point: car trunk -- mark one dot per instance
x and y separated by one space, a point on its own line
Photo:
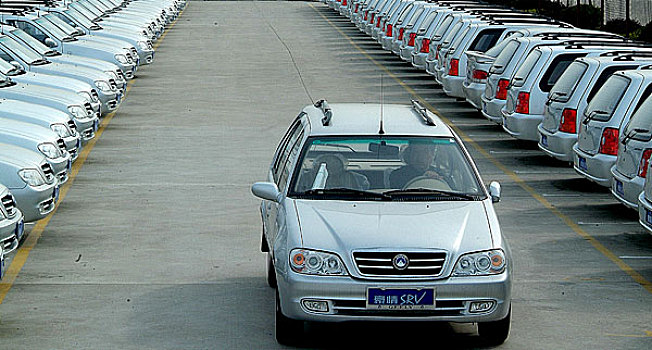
561 95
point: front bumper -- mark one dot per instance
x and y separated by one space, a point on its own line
596 168
558 145
396 46
431 66
61 167
626 190
87 127
109 101
522 126
453 85
645 212
346 298
473 94
36 202
11 230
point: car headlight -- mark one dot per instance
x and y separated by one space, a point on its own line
60 129
311 262
103 85
31 177
50 150
86 96
490 262
143 45
121 58
78 112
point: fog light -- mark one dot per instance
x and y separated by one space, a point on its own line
481 306
315 305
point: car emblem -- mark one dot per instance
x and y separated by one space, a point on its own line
400 262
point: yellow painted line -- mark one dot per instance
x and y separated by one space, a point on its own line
30 241
520 182
648 334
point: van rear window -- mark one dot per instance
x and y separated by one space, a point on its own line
556 69
567 83
640 125
486 39
607 98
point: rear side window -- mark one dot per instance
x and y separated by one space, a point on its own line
567 83
644 97
526 68
486 39
442 28
555 70
640 125
604 76
607 98
504 57
460 38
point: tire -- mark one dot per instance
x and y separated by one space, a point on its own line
271 271
496 332
288 331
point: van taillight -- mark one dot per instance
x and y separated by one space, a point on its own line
425 45
401 31
378 23
389 30
437 52
479 74
523 103
501 93
357 6
344 3
645 160
568 121
453 70
371 19
411 40
609 142
366 15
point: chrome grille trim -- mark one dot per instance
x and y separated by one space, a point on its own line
48 172
95 95
62 144
9 204
421 264
357 307
72 127
89 108
113 84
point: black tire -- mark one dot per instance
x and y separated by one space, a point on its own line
271 271
496 332
288 331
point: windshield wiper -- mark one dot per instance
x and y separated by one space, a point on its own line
633 133
592 115
6 83
40 61
52 53
428 191
346 192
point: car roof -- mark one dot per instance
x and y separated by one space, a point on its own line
365 118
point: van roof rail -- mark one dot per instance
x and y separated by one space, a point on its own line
629 56
423 112
326 110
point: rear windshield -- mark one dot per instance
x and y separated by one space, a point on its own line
526 68
607 98
404 13
504 57
415 17
640 125
556 69
567 83
428 21
451 35
604 76
486 39
460 38
442 28
496 50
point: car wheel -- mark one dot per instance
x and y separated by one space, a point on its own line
288 331
495 333
271 271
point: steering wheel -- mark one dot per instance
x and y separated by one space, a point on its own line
427 182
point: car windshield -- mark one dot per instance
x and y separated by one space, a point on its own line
79 17
567 83
22 52
32 42
52 29
65 27
384 168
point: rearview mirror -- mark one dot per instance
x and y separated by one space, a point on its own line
494 191
266 190
50 43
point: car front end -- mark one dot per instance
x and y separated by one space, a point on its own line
12 224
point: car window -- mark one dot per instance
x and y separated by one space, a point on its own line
556 69
604 76
496 50
504 57
567 83
640 125
415 17
31 42
31 29
291 154
404 13
63 18
607 98
526 68
460 38
428 20
643 97
380 164
281 152
451 34
443 27
486 39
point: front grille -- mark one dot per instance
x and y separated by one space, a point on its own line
61 144
380 263
10 205
48 172
73 153
73 127
134 53
359 308
120 75
114 86
89 108
95 95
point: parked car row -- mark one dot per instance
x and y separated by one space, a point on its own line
62 68
582 95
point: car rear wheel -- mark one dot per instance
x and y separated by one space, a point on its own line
495 333
271 271
288 331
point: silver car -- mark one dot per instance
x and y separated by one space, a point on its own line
41 140
634 153
370 219
30 179
604 120
645 202
12 224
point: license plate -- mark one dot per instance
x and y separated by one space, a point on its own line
582 163
544 140
69 166
401 298
20 228
55 195
619 187
648 216
79 145
96 124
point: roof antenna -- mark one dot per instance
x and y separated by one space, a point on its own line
381 131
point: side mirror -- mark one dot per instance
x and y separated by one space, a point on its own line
16 64
266 190
50 43
79 31
494 191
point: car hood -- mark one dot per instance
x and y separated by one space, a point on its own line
52 81
20 157
343 226
27 130
30 112
70 70
84 62
60 96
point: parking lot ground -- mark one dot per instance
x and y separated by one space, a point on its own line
156 244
